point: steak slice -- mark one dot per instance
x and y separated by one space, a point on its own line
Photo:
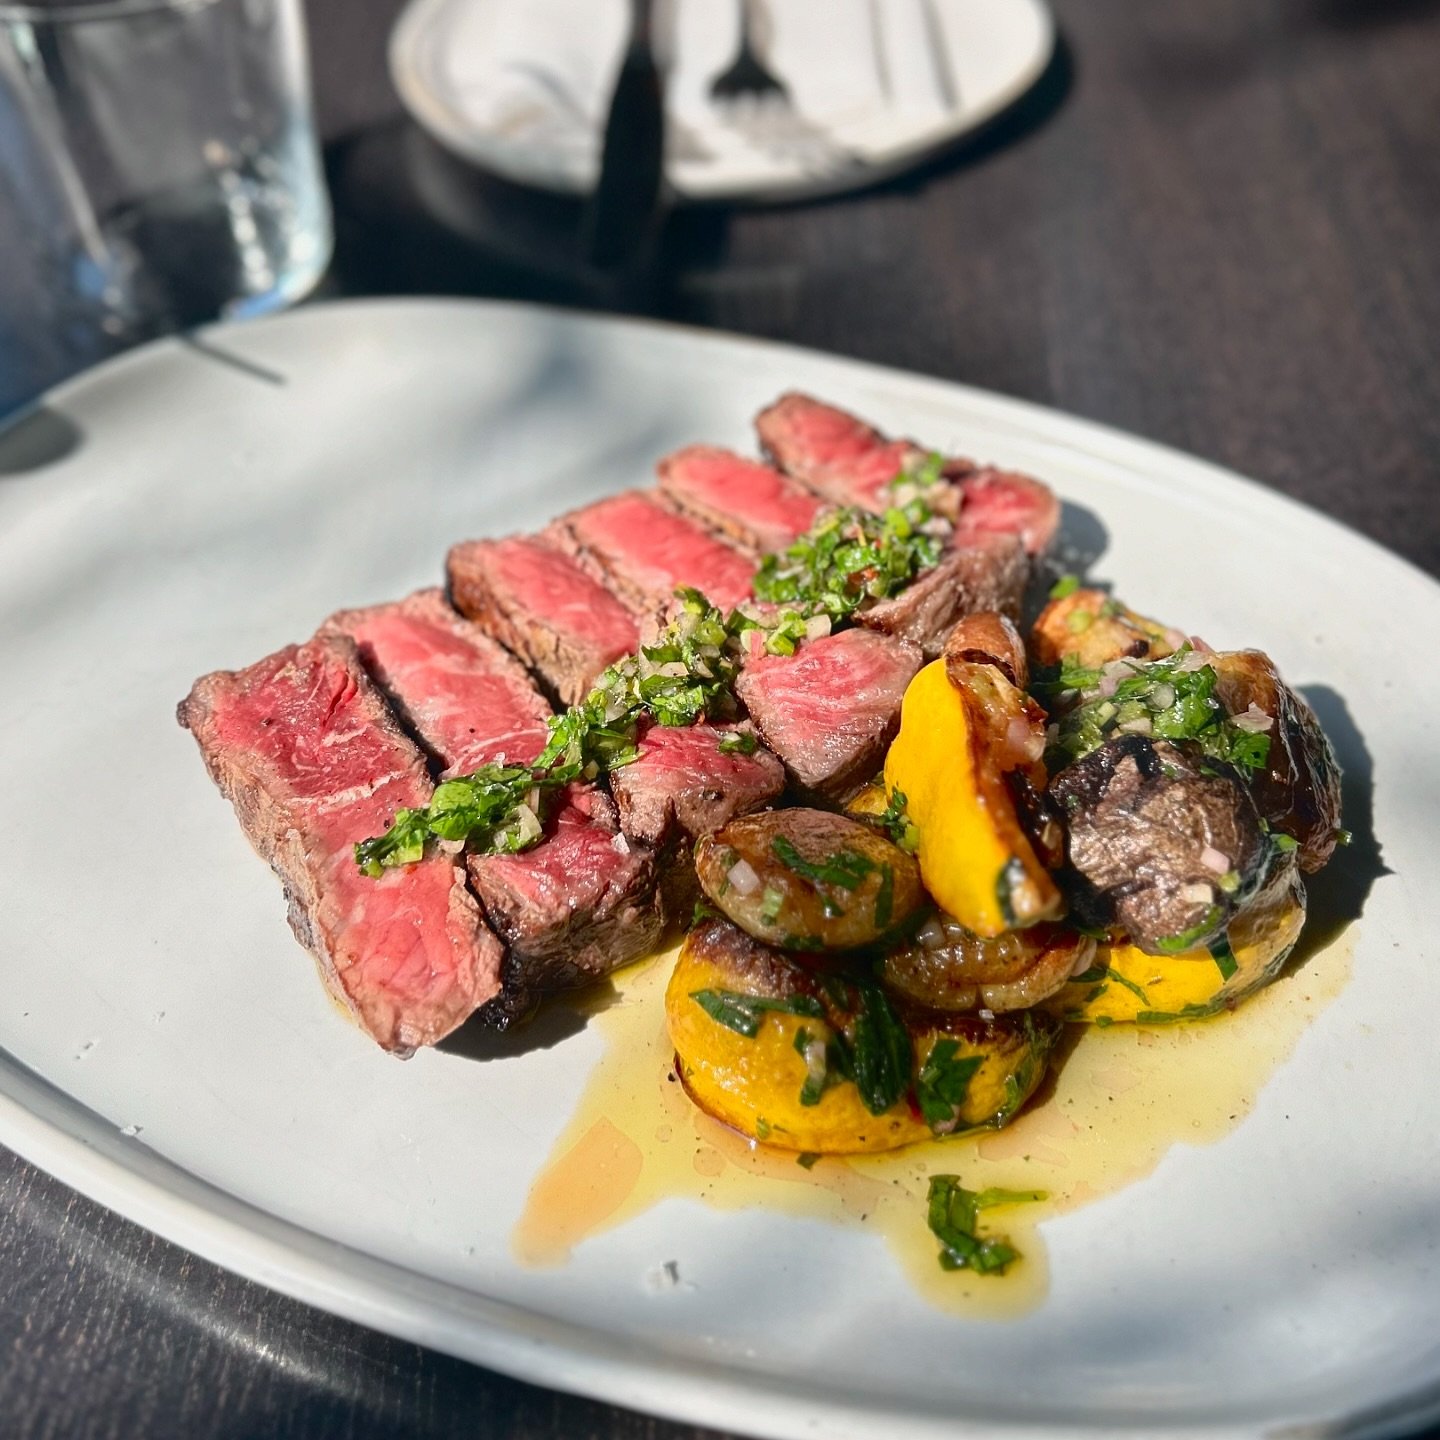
833 452
466 698
751 504
988 574
641 551
574 908
305 748
830 709
683 783
1004 502
581 901
539 603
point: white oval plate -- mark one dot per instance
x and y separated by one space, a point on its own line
522 87
223 495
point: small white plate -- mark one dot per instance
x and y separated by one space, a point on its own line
168 1050
522 87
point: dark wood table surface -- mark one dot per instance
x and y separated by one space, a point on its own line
1215 223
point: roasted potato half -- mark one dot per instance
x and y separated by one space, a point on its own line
1125 983
809 879
786 1053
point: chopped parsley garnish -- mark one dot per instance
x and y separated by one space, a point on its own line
1065 586
1283 843
852 557
743 1013
1224 958
1189 939
848 559
943 1082
953 1217
1111 973
881 1052
845 868
806 1160
897 824
885 898
1163 698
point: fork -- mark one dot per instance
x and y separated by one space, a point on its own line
747 77
756 103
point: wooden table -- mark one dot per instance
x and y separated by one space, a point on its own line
1216 223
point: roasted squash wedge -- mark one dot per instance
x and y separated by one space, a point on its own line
960 733
1126 984
755 1035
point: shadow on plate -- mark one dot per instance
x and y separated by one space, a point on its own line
36 439
555 1022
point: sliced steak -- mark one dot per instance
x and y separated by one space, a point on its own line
683 783
641 550
581 901
829 710
833 452
305 748
539 603
751 504
578 905
988 574
464 695
1004 502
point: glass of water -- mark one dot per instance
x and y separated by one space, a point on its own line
158 163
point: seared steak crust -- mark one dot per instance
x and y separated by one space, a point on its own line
573 908
988 575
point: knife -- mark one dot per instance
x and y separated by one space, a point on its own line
626 202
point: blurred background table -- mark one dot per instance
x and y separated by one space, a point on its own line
1213 223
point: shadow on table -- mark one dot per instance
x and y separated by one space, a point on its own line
1371 14
37 438
413 218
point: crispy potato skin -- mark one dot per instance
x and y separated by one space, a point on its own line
1126 984
802 912
1298 791
753 1084
1009 972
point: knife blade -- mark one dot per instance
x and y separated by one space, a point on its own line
626 202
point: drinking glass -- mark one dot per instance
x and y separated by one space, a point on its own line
159 166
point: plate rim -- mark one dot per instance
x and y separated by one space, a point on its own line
82 1149
440 122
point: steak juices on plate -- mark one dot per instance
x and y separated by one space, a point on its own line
755 635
